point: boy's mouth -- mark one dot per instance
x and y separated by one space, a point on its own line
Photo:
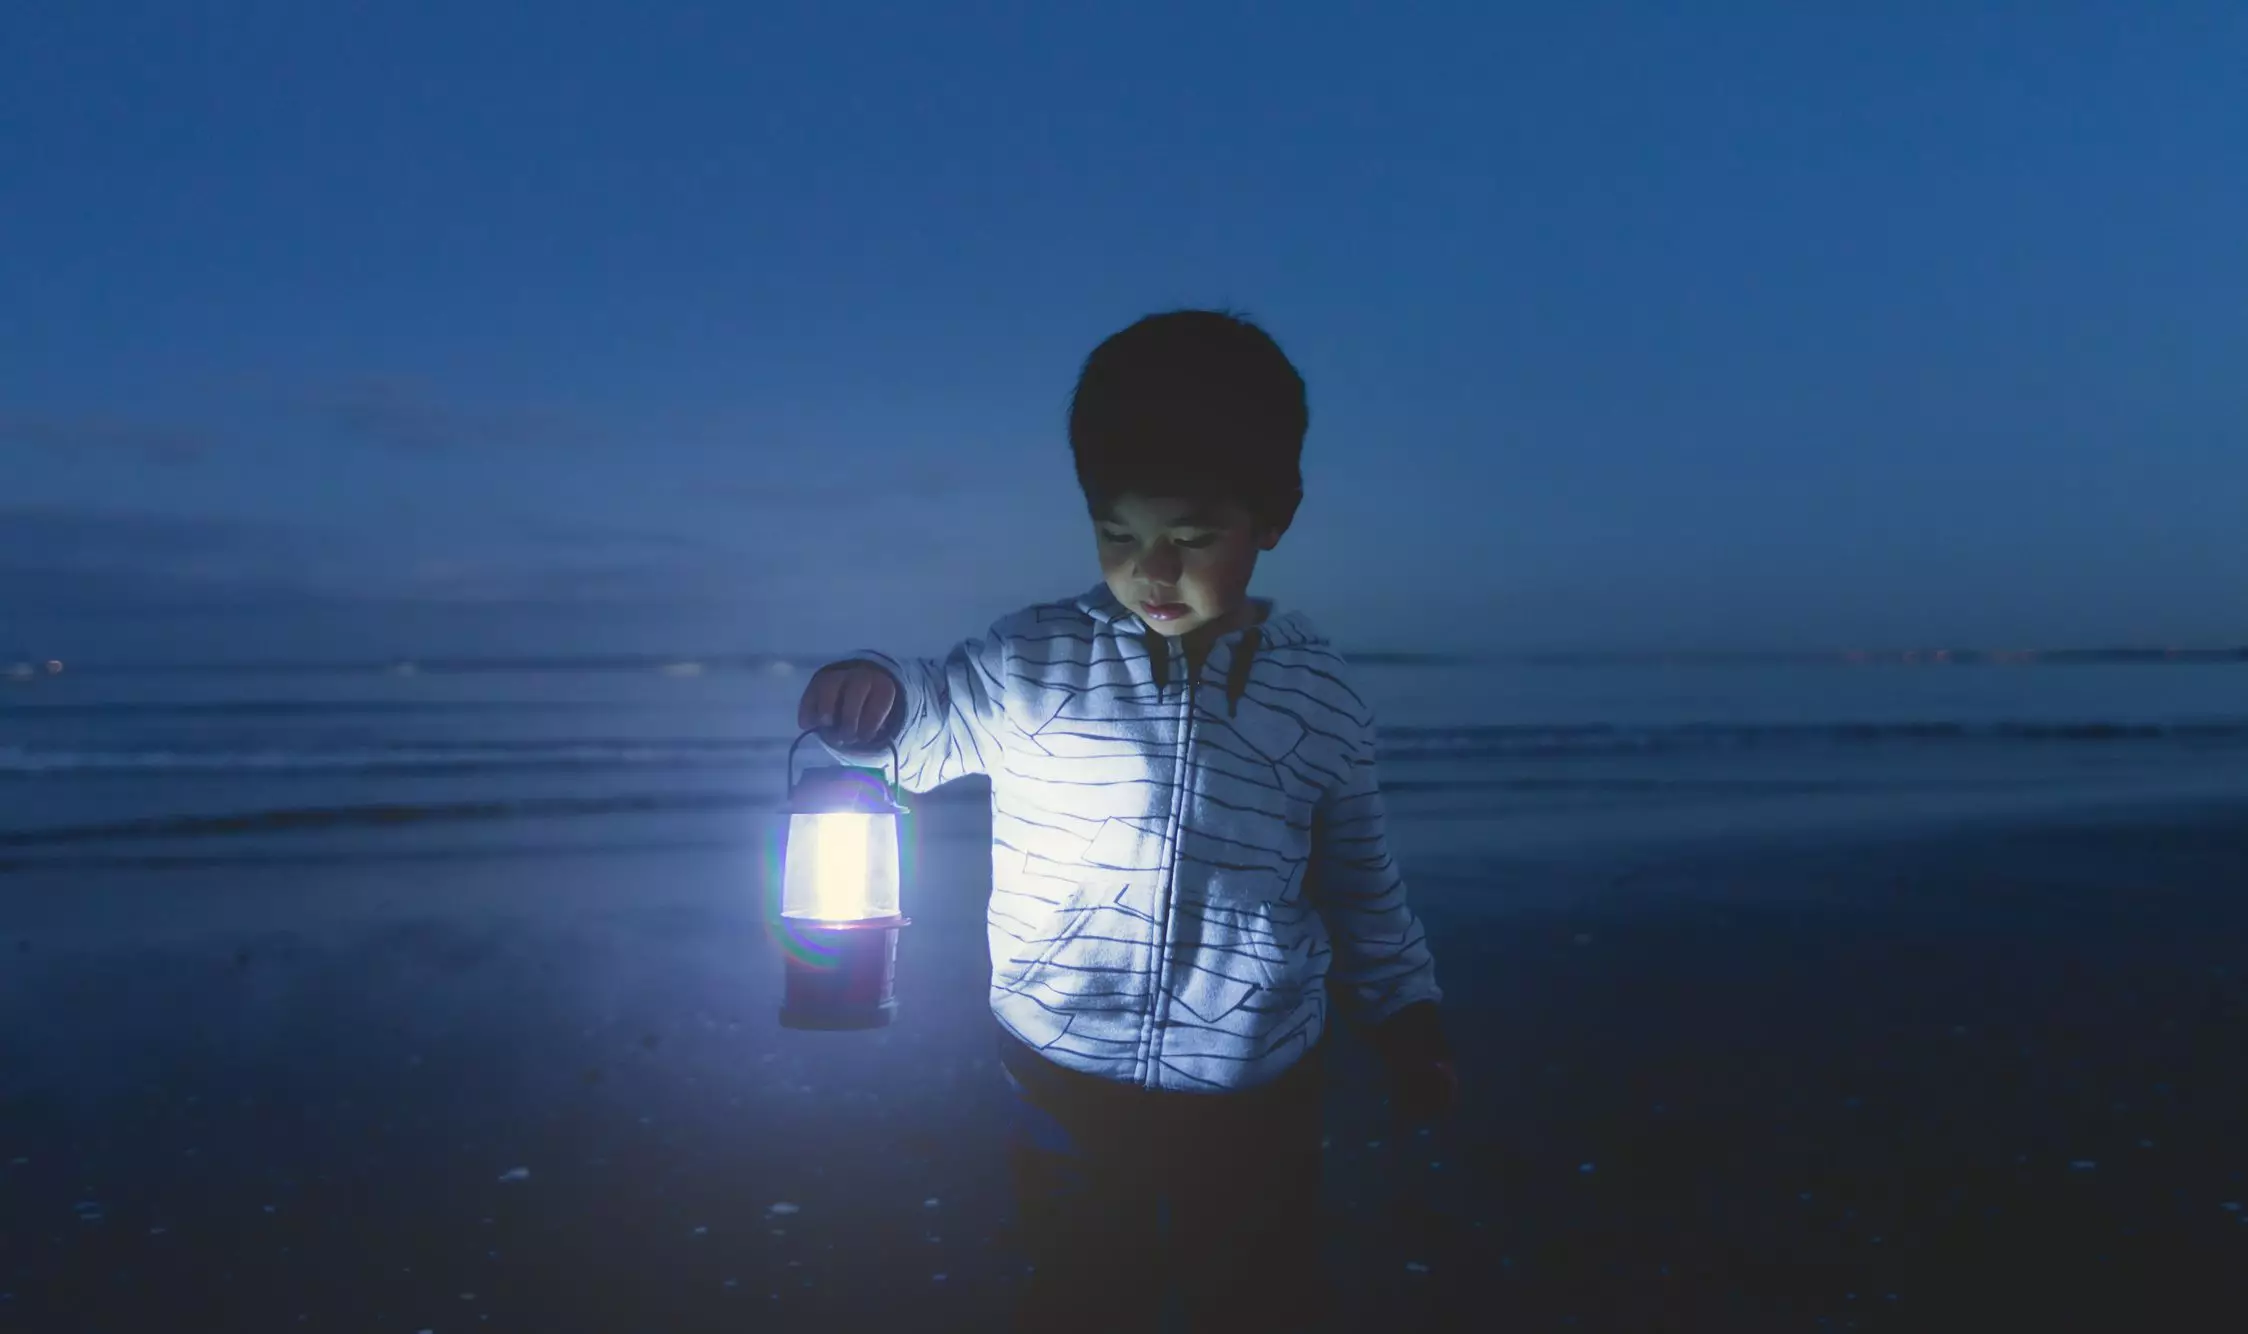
1164 611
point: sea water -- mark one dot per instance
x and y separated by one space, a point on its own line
173 766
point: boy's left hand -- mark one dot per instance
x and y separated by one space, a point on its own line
1427 1092
1424 1083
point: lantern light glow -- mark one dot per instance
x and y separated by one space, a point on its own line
842 867
838 915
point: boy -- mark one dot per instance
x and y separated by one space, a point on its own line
1187 850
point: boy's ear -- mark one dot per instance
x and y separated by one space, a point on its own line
1274 524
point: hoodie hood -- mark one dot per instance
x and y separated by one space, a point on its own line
1237 648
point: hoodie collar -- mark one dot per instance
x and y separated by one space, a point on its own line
1278 629
1233 653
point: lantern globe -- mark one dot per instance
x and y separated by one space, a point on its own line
839 901
841 866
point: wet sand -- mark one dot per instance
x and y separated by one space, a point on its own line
1993 1075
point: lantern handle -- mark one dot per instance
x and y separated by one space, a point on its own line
897 768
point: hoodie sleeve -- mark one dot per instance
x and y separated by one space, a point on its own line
1381 957
949 717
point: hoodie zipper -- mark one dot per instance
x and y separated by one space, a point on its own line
1237 680
1174 830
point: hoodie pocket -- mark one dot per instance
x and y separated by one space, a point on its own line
1236 957
1057 926
1262 934
1129 846
1243 942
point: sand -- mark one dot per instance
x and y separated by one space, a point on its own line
1988 1073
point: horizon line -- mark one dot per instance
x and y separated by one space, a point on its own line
22 668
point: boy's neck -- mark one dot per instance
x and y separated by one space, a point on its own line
1199 640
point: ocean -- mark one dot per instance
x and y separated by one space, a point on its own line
1787 996
217 765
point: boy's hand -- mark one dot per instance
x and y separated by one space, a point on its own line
849 704
1424 1093
1424 1084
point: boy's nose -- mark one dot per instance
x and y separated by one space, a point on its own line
1160 566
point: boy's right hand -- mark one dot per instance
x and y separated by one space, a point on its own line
849 704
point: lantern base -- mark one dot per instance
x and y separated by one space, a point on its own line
842 977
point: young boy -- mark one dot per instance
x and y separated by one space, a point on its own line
1188 854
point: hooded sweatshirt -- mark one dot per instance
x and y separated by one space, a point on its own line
1180 867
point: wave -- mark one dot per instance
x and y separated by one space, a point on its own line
313 819
252 856
232 827
1398 744
273 708
404 815
1593 739
782 664
404 759
667 664
391 816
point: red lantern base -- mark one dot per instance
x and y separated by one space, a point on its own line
842 976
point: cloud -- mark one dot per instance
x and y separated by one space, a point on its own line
389 414
832 491
167 445
74 564
594 536
73 592
456 581
59 555
119 556
122 585
406 416
99 537
64 569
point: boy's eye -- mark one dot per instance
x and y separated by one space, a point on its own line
1195 543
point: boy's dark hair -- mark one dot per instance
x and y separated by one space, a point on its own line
1195 404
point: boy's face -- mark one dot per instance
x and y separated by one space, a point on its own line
1182 566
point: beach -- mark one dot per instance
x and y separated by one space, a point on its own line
1728 507
1983 1071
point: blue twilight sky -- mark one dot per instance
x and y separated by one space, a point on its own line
438 327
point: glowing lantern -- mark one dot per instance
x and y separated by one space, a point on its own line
839 914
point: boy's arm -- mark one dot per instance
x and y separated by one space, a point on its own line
1382 972
948 718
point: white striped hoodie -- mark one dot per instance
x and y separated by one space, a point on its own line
1178 868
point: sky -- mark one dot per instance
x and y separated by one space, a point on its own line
424 328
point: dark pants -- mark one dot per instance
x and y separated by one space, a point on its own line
1100 1169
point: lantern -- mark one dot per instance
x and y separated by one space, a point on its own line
839 914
